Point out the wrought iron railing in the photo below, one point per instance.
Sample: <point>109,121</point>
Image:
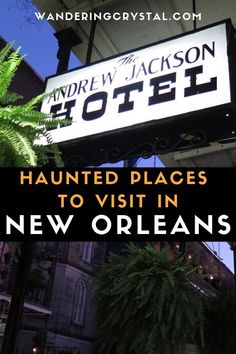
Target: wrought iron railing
<point>201,285</point>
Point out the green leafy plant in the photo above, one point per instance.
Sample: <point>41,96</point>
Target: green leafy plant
<point>21,125</point>
<point>145,303</point>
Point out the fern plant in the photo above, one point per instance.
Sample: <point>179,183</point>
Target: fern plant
<point>21,125</point>
<point>145,304</point>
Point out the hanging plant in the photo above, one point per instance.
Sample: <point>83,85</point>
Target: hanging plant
<point>145,303</point>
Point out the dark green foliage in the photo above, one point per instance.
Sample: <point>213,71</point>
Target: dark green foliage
<point>145,302</point>
<point>220,325</point>
<point>21,125</point>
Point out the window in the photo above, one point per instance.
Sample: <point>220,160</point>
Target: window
<point>79,302</point>
<point>88,249</point>
<point>4,307</point>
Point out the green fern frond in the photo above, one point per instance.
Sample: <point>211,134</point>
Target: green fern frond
<point>7,71</point>
<point>26,150</point>
<point>21,125</point>
<point>20,144</point>
<point>40,98</point>
<point>9,98</point>
<point>5,51</point>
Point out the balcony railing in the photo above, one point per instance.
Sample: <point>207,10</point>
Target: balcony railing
<point>201,285</point>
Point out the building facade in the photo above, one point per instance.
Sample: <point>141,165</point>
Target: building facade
<point>58,315</point>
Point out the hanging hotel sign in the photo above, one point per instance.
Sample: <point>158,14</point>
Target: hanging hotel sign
<point>168,79</point>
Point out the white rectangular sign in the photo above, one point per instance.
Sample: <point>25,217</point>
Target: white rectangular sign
<point>168,79</point>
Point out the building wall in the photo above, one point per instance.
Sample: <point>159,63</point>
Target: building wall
<point>72,270</point>
<point>64,329</point>
<point>26,82</point>
<point>69,264</point>
<point>61,290</point>
<point>63,300</point>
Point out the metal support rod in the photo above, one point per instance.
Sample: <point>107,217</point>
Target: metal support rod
<point>234,255</point>
<point>52,274</point>
<point>131,162</point>
<point>17,298</point>
<point>45,334</point>
<point>63,56</point>
<point>233,248</point>
<point>67,39</point>
<point>91,41</point>
<point>194,12</point>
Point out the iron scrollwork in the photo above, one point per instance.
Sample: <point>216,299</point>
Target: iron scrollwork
<point>158,146</point>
